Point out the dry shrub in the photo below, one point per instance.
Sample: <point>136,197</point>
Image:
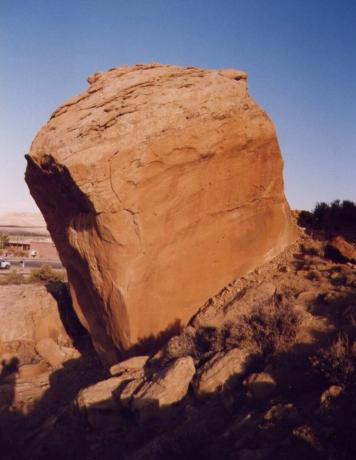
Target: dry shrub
<point>179,346</point>
<point>13,278</point>
<point>45,274</point>
<point>269,329</point>
<point>210,340</point>
<point>337,363</point>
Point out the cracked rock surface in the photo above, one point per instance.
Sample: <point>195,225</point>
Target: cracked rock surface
<point>159,186</point>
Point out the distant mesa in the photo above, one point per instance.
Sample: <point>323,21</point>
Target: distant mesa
<point>159,186</point>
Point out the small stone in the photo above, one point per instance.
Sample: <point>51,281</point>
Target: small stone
<point>282,411</point>
<point>261,385</point>
<point>135,363</point>
<point>233,74</point>
<point>331,393</point>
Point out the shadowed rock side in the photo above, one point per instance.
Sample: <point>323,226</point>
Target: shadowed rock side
<point>159,186</point>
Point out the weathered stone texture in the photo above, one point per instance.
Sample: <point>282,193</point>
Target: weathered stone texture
<point>159,186</point>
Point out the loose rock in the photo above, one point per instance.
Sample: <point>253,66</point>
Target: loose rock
<point>165,389</point>
<point>220,369</point>
<point>51,352</point>
<point>261,385</point>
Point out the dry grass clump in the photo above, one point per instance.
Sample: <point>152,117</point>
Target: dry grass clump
<point>210,340</point>
<point>13,278</point>
<point>267,330</point>
<point>45,274</point>
<point>336,363</point>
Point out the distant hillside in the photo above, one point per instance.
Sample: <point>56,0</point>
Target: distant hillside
<point>26,223</point>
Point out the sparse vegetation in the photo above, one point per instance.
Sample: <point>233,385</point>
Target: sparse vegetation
<point>13,278</point>
<point>336,364</point>
<point>267,330</point>
<point>19,253</point>
<point>46,274</point>
<point>4,240</point>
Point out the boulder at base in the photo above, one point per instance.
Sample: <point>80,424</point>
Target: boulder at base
<point>159,186</point>
<point>29,314</point>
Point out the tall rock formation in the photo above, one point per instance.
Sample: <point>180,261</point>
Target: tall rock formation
<point>159,186</point>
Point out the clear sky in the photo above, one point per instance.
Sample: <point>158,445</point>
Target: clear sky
<point>300,56</point>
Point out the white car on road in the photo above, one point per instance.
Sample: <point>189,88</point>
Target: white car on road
<point>4,264</point>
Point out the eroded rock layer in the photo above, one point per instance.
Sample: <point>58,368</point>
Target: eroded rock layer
<point>159,186</point>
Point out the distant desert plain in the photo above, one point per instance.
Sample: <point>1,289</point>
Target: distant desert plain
<point>24,223</point>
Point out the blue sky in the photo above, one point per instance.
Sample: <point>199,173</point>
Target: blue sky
<point>300,56</point>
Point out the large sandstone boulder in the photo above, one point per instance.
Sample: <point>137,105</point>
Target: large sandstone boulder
<point>159,186</point>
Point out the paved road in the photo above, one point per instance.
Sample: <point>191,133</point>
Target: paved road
<point>35,263</point>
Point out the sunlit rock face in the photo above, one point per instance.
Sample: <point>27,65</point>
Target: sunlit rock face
<point>159,186</point>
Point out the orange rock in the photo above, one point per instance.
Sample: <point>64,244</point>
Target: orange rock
<point>159,186</point>
<point>29,313</point>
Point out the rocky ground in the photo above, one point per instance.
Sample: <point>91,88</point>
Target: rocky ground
<point>265,370</point>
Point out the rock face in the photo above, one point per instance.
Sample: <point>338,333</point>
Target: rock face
<point>159,186</point>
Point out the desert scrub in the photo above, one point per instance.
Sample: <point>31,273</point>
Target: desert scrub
<point>267,330</point>
<point>13,278</point>
<point>210,340</point>
<point>336,364</point>
<point>46,274</point>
